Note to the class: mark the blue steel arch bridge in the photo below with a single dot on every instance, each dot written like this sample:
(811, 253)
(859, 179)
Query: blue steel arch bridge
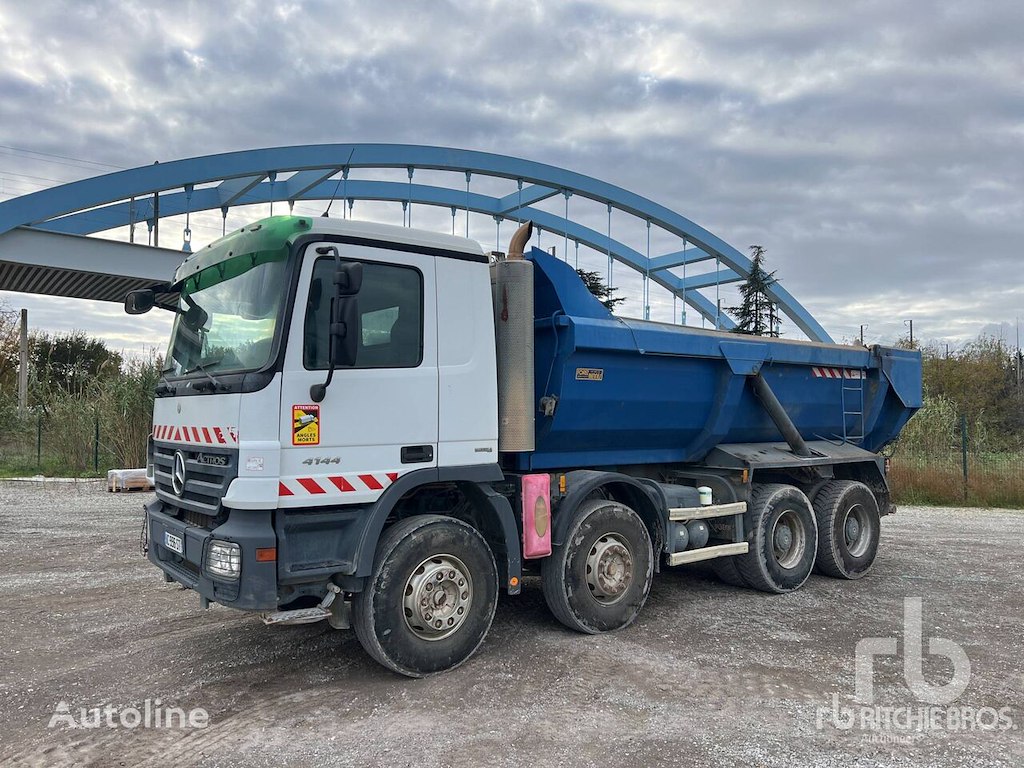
(48, 244)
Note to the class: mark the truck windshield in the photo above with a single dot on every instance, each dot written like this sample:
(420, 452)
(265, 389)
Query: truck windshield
(227, 315)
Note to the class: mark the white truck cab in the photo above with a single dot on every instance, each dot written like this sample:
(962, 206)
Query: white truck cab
(269, 486)
(420, 392)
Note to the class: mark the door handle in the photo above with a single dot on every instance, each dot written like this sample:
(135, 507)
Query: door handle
(417, 454)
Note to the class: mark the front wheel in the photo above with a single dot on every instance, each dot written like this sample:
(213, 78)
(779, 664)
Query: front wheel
(784, 539)
(430, 598)
(599, 579)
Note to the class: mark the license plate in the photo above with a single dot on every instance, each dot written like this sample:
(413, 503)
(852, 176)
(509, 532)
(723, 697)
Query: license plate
(173, 543)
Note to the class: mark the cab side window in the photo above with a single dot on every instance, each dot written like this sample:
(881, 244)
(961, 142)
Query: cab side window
(390, 313)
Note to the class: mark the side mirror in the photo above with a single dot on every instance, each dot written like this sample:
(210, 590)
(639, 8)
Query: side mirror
(195, 317)
(139, 302)
(345, 331)
(348, 279)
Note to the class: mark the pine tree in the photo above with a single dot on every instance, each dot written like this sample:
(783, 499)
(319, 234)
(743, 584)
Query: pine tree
(597, 287)
(756, 315)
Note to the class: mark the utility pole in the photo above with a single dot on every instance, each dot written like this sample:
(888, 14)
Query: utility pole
(1017, 361)
(23, 367)
(862, 327)
(156, 215)
(156, 219)
(911, 324)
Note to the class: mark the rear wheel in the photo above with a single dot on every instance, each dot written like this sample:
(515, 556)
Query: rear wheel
(599, 579)
(785, 539)
(848, 529)
(726, 570)
(431, 597)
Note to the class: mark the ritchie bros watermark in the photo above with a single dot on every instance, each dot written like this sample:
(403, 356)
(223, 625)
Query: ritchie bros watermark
(933, 710)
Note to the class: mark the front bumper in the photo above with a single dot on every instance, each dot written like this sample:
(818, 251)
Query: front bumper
(256, 587)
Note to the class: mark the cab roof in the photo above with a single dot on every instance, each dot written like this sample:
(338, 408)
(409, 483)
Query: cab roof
(278, 232)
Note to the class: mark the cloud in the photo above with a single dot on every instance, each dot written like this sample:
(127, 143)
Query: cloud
(873, 147)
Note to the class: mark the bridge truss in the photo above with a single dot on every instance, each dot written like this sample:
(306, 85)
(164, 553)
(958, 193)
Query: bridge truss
(39, 250)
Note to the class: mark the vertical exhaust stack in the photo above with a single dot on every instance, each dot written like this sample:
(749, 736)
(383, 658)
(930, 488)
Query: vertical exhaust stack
(517, 245)
(512, 293)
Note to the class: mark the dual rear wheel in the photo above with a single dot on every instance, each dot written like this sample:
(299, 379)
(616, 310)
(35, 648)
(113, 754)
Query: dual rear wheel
(784, 539)
(848, 529)
(837, 535)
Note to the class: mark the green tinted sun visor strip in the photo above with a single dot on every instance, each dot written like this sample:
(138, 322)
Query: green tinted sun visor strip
(265, 240)
(233, 267)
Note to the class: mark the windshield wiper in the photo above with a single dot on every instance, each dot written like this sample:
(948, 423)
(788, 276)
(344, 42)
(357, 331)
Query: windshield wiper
(202, 366)
(163, 386)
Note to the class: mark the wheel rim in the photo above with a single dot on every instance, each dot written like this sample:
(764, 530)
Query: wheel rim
(857, 530)
(609, 568)
(438, 596)
(789, 540)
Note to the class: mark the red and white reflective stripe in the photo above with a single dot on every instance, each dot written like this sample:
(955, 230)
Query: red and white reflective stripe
(837, 373)
(333, 485)
(179, 433)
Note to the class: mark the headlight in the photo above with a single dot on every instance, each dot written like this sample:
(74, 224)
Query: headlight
(224, 558)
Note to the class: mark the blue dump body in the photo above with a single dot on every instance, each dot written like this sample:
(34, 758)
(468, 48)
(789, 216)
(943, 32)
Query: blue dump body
(638, 392)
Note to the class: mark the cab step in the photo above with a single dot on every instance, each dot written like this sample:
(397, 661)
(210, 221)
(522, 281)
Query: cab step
(298, 616)
(337, 612)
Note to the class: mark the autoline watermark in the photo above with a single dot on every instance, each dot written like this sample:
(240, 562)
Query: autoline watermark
(151, 714)
(933, 711)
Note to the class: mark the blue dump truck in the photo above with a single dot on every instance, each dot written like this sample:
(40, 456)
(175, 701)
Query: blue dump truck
(382, 428)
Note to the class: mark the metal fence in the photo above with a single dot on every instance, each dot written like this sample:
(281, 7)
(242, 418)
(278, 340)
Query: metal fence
(56, 445)
(941, 458)
(945, 459)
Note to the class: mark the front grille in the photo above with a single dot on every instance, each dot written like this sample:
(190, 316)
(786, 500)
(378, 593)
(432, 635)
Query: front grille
(197, 518)
(205, 483)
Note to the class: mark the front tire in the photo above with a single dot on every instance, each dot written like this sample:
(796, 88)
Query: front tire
(430, 598)
(848, 529)
(600, 578)
(785, 539)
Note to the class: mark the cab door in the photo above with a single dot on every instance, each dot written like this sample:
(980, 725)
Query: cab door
(379, 418)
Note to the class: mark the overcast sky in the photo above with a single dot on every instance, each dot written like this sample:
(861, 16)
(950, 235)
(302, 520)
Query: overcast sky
(874, 148)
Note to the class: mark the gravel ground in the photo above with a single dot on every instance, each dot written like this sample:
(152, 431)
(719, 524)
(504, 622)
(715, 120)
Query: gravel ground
(708, 675)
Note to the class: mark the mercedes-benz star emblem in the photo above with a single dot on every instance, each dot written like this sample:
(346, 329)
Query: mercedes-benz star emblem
(178, 474)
